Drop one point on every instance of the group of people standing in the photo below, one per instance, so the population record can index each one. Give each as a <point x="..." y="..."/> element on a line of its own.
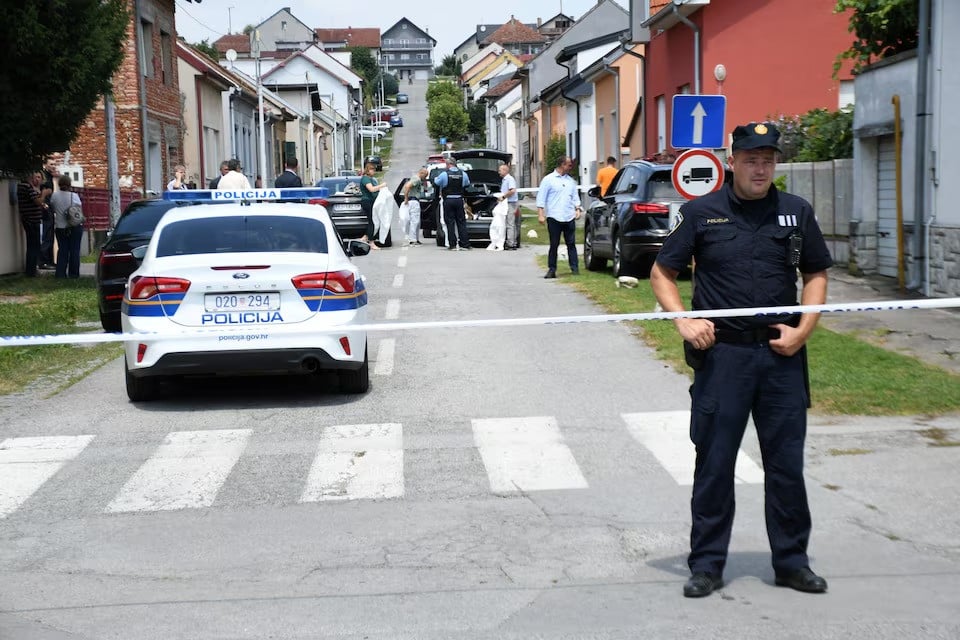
<point x="45" y="215"/>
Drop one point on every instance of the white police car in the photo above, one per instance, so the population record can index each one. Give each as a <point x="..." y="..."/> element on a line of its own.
<point x="251" y="287"/>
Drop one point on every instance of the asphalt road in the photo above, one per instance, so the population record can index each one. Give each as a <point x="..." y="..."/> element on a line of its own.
<point x="523" y="482"/>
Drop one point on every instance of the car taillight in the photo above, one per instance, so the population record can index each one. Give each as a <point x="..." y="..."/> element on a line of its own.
<point x="107" y="258"/>
<point x="145" y="287"/>
<point x="323" y="202"/>
<point x="650" y="207"/>
<point x="334" y="281"/>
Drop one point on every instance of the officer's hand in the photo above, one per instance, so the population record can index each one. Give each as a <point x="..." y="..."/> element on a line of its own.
<point x="790" y="341"/>
<point x="697" y="331"/>
<point x="577" y="214"/>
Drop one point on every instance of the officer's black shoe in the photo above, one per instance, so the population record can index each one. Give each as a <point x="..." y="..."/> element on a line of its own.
<point x="802" y="580"/>
<point x="551" y="274"/>
<point x="575" y="272"/>
<point x="701" y="584"/>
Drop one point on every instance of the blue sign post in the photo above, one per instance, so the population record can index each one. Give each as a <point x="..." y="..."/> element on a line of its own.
<point x="698" y="121"/>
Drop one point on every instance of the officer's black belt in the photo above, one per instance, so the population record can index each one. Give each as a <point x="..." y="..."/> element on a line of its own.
<point x="749" y="336"/>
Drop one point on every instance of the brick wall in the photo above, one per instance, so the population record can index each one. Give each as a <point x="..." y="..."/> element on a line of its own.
<point x="163" y="107"/>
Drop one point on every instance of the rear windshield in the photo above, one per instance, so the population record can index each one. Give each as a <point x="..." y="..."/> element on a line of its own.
<point x="338" y="185"/>
<point x="660" y="187"/>
<point x="242" y="234"/>
<point x="141" y="218"/>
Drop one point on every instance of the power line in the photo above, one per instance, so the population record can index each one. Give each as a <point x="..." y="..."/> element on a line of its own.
<point x="180" y="7"/>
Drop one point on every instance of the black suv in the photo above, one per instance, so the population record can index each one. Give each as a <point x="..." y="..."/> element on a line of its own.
<point x="116" y="262"/>
<point x="628" y="224"/>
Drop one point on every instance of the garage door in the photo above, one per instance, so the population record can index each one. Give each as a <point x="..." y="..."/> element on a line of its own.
<point x="422" y="74"/>
<point x="886" y="207"/>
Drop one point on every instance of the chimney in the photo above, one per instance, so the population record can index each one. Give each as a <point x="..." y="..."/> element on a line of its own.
<point x="539" y="22"/>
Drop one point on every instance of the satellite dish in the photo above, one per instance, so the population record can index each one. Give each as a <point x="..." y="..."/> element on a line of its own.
<point x="231" y="55"/>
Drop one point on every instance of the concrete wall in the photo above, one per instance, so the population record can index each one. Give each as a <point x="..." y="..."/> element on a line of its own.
<point x="828" y="186"/>
<point x="12" y="244"/>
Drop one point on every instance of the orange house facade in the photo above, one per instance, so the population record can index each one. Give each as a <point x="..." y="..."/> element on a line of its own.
<point x="768" y="58"/>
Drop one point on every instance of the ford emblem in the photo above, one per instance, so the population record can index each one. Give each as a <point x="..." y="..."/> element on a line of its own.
<point x="241" y="276"/>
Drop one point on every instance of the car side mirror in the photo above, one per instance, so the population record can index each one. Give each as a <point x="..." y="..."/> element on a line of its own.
<point x="593" y="192"/>
<point x="138" y="253"/>
<point x="356" y="248"/>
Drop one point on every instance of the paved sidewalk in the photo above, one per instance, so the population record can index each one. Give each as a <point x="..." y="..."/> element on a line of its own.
<point x="930" y="335"/>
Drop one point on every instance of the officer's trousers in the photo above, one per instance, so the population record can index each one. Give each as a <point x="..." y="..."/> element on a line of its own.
<point x="736" y="380"/>
<point x="456" y="220"/>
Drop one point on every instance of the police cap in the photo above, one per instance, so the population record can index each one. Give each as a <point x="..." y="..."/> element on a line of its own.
<point x="756" y="135"/>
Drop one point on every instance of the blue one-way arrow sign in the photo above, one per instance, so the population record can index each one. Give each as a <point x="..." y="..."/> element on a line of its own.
<point x="698" y="121"/>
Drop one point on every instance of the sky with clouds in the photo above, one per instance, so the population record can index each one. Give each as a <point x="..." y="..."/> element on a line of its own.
<point x="448" y="22"/>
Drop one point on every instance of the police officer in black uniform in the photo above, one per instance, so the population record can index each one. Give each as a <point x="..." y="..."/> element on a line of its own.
<point x="747" y="241"/>
<point x="451" y="183"/>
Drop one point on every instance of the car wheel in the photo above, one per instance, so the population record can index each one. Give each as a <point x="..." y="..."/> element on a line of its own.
<point x="593" y="262"/>
<point x="623" y="267"/>
<point x="356" y="381"/>
<point x="110" y="322"/>
<point x="140" y="389"/>
<point x="617" y="257"/>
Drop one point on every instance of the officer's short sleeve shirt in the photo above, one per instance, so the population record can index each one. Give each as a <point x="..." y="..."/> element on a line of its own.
<point x="740" y="251"/>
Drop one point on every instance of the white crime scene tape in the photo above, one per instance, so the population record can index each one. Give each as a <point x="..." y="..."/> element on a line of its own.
<point x="238" y="331"/>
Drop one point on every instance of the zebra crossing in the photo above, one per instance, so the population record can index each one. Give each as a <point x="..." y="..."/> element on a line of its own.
<point x="351" y="462"/>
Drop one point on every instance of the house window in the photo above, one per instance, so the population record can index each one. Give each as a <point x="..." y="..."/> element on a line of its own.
<point x="166" y="58"/>
<point x="421" y="41"/>
<point x="388" y="41"/>
<point x="404" y="56"/>
<point x="146" y="48"/>
<point x="404" y="42"/>
<point x="601" y="138"/>
<point x="421" y="56"/>
<point x="403" y="26"/>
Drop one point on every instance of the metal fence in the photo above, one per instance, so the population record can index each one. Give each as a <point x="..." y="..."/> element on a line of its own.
<point x="828" y="186"/>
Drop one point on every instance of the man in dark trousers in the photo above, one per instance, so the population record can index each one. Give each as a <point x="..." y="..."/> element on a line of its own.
<point x="748" y="241"/>
<point x="452" y="182"/>
<point x="50" y="175"/>
<point x="289" y="177"/>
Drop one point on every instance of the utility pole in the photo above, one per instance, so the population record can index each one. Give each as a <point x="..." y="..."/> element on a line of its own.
<point x="113" y="170"/>
<point x="262" y="142"/>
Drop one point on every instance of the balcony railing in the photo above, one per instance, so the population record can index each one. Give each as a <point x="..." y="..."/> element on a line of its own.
<point x="409" y="45"/>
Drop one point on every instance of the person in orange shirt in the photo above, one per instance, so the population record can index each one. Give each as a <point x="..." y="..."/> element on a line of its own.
<point x="605" y="175"/>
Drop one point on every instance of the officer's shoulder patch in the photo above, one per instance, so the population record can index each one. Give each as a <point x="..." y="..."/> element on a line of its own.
<point x="678" y="218"/>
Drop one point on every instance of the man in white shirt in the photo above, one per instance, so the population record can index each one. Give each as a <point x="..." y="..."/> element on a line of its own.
<point x="233" y="180"/>
<point x="558" y="205"/>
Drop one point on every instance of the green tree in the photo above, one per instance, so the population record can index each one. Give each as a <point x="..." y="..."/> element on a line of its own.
<point x="816" y="135"/>
<point x="206" y="48"/>
<point x="62" y="55"/>
<point x="556" y="147"/>
<point x="450" y="66"/>
<point x="478" y="118"/>
<point x="436" y="90"/>
<point x="882" y="28"/>
<point x="250" y="28"/>
<point x="447" y="119"/>
<point x="390" y="84"/>
<point x="365" y="65"/>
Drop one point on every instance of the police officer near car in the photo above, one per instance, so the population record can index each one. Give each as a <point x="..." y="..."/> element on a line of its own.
<point x="452" y="183"/>
<point x="748" y="240"/>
